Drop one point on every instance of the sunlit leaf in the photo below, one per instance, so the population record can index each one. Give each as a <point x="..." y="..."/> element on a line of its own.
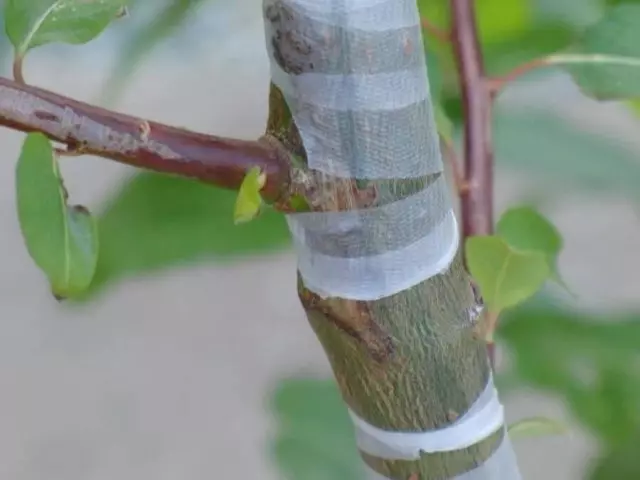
<point x="156" y="222"/>
<point x="249" y="201"/>
<point x="536" y="427"/>
<point x="61" y="239"/>
<point x="315" y="439"/>
<point x="505" y="275"/>
<point x="31" y="23"/>
<point x="605" y="63"/>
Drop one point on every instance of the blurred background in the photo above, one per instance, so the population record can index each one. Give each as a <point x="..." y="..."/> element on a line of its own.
<point x="191" y="357"/>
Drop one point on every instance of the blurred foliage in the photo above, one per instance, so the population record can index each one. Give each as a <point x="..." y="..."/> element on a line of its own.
<point x="156" y="222"/>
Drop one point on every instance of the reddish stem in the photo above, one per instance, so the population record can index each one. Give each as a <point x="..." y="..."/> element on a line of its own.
<point x="477" y="201"/>
<point x="439" y="33"/>
<point x="141" y="143"/>
<point x="494" y="85"/>
<point x="477" y="198"/>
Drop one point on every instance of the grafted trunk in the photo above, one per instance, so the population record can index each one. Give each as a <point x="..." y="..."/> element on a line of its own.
<point x="410" y="360"/>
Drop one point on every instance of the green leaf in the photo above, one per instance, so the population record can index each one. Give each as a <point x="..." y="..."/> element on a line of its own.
<point x="249" y="201"/>
<point x="156" y="222"/>
<point x="526" y="230"/>
<point x="621" y="461"/>
<point x="315" y="439"/>
<point x="31" y="23"/>
<point x="605" y="63"/>
<point x="536" y="426"/>
<point x="561" y="157"/>
<point x="583" y="360"/>
<point x="61" y="239"/>
<point x="505" y="275"/>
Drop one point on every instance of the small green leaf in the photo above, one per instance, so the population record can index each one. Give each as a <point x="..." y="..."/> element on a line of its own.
<point x="31" y="23"/>
<point x="505" y="275"/>
<point x="249" y="200"/>
<point x="605" y="62"/>
<point x="535" y="427"/>
<point x="526" y="230"/>
<point x="61" y="239"/>
<point x="315" y="439"/>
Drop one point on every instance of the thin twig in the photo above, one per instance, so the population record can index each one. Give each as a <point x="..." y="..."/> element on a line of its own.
<point x="496" y="84"/>
<point x="451" y="156"/>
<point x="477" y="201"/>
<point x="435" y="31"/>
<point x="141" y="143"/>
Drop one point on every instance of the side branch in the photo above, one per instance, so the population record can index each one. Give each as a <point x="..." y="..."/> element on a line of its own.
<point x="477" y="200"/>
<point x="87" y="129"/>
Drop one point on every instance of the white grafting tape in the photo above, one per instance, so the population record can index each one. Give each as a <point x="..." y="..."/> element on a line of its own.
<point x="354" y="91"/>
<point x="354" y="76"/>
<point x="484" y="418"/>
<point x="369" y="15"/>
<point x="501" y="465"/>
<point x="370" y="278"/>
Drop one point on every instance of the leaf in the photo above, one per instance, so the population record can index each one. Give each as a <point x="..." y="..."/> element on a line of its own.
<point x="557" y="155"/>
<point x="315" y="439"/>
<point x="525" y="230"/>
<point x="165" y="22"/>
<point x="536" y="426"/>
<point x="621" y="461"/>
<point x="31" y="23"/>
<point x="249" y="201"/>
<point x="62" y="240"/>
<point x="605" y="63"/>
<point x="505" y="276"/>
<point x="156" y="222"/>
<point x="583" y="360"/>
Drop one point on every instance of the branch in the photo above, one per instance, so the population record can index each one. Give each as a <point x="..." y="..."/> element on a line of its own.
<point x="494" y="85"/>
<point x="477" y="200"/>
<point x="87" y="129"/>
<point x="438" y="33"/>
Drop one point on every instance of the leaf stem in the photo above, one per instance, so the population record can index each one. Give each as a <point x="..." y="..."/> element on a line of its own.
<point x="435" y="31"/>
<point x="133" y="141"/>
<point x="496" y="84"/>
<point x="17" y="69"/>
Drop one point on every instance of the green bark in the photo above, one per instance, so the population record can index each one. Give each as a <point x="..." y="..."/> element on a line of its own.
<point x="412" y="361"/>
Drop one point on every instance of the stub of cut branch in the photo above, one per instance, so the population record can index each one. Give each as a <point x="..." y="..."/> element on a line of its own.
<point x="91" y="130"/>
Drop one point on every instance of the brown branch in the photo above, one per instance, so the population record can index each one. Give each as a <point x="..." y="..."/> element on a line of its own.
<point x="477" y="201"/>
<point x="91" y="130"/>
<point x="496" y="84"/>
<point x="438" y="33"/>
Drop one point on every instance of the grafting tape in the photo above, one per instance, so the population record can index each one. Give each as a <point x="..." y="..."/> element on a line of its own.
<point x="484" y="418"/>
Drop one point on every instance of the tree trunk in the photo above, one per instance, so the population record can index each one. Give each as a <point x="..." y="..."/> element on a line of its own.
<point x="380" y="271"/>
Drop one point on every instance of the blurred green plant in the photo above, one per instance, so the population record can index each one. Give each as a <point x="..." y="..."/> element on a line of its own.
<point x="156" y="221"/>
